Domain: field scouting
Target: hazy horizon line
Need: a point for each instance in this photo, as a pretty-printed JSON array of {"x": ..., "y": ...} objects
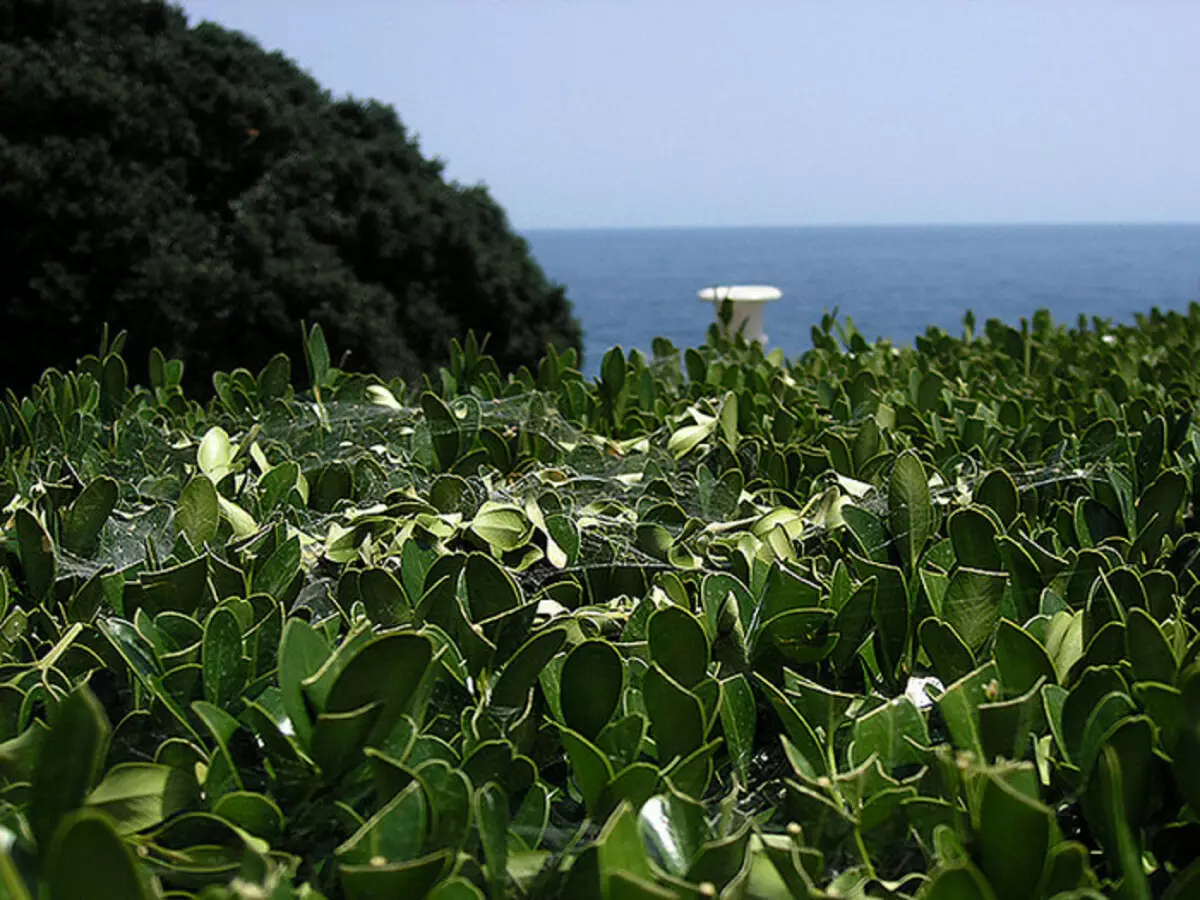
[{"x": 1129, "y": 223}]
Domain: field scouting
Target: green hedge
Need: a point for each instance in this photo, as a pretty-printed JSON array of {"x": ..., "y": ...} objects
[{"x": 873, "y": 622}]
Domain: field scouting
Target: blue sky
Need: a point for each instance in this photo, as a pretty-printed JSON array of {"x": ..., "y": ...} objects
[{"x": 593, "y": 113}]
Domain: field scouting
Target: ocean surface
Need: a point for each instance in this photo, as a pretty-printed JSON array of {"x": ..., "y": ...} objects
[{"x": 629, "y": 286}]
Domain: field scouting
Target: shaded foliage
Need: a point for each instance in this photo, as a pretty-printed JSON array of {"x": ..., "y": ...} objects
[{"x": 185, "y": 184}]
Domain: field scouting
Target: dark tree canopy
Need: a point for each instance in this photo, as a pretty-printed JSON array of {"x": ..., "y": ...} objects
[{"x": 184, "y": 184}]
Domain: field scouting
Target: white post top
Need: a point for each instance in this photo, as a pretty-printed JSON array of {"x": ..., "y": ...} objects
[
  {"x": 748, "y": 302},
  {"x": 749, "y": 293}
]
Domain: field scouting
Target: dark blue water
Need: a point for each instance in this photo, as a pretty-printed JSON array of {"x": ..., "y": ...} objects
[{"x": 631, "y": 285}]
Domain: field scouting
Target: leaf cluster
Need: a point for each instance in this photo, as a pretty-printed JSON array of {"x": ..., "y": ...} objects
[{"x": 873, "y": 622}]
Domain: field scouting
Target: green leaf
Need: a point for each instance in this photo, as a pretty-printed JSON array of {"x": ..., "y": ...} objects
[
  {"x": 590, "y": 687},
  {"x": 225, "y": 668},
  {"x": 818, "y": 704},
  {"x": 974, "y": 537},
  {"x": 589, "y": 766},
  {"x": 70, "y": 755},
  {"x": 1156, "y": 509},
  {"x": 239, "y": 520},
  {"x": 37, "y": 553},
  {"x": 490, "y": 590},
  {"x": 739, "y": 716},
  {"x": 215, "y": 454},
  {"x": 385, "y": 670},
  {"x": 88, "y": 859},
  {"x": 302, "y": 653},
  {"x": 854, "y": 624},
  {"x": 798, "y": 635},
  {"x": 868, "y": 532},
  {"x": 86, "y": 517},
  {"x": 961, "y": 881},
  {"x": 676, "y": 716},
  {"x": 505, "y": 528},
  {"x": 891, "y": 614},
  {"x": 396, "y": 833},
  {"x": 886, "y": 731},
  {"x": 621, "y": 848},
  {"x": 612, "y": 372},
  {"x": 910, "y": 508},
  {"x": 999, "y": 492},
  {"x": 673, "y": 825},
  {"x": 972, "y": 604},
  {"x": 491, "y": 818},
  {"x": 959, "y": 705},
  {"x": 1005, "y": 725},
  {"x": 1148, "y": 648},
  {"x": 137, "y": 796},
  {"x": 798, "y": 731},
  {"x": 251, "y": 812},
  {"x": 687, "y": 438},
  {"x": 1149, "y": 456},
  {"x": 277, "y": 572},
  {"x": 198, "y": 513},
  {"x": 678, "y": 644},
  {"x": 443, "y": 429},
  {"x": 951, "y": 657},
  {"x": 1021, "y": 659},
  {"x": 316, "y": 355},
  {"x": 517, "y": 677},
  {"x": 449, "y": 792},
  {"x": 1109, "y": 814},
  {"x": 382, "y": 881}
]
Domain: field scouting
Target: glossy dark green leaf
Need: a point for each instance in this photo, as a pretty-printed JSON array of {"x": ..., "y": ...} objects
[
  {"x": 974, "y": 537},
  {"x": 253, "y": 813},
  {"x": 958, "y": 882},
  {"x": 960, "y": 702},
  {"x": 521, "y": 671},
  {"x": 277, "y": 572},
  {"x": 673, "y": 826},
  {"x": 88, "y": 859},
  {"x": 590, "y": 687},
  {"x": 910, "y": 508},
  {"x": 1021, "y": 659},
  {"x": 998, "y": 491},
  {"x": 71, "y": 753},
  {"x": 136, "y": 796},
  {"x": 678, "y": 644},
  {"x": 86, "y": 516},
  {"x": 889, "y": 731},
  {"x": 302, "y": 652},
  {"x": 677, "y": 720},
  {"x": 739, "y": 715},
  {"x": 798, "y": 731},
  {"x": 225, "y": 668},
  {"x": 396, "y": 833},
  {"x": 589, "y": 766},
  {"x": 491, "y": 818},
  {"x": 490, "y": 590},
  {"x": 1148, "y": 649},
  {"x": 37, "y": 553},
  {"x": 798, "y": 636},
  {"x": 386, "y": 670},
  {"x": 951, "y": 657},
  {"x": 972, "y": 604},
  {"x": 383, "y": 596}
]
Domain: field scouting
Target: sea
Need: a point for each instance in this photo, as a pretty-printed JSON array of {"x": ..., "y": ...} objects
[{"x": 631, "y": 285}]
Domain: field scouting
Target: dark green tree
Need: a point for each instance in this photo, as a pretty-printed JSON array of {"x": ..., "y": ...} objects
[{"x": 184, "y": 184}]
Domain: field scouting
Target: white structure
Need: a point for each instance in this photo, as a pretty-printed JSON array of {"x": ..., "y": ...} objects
[{"x": 749, "y": 301}]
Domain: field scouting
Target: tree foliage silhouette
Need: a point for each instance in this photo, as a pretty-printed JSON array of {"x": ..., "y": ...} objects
[{"x": 183, "y": 183}]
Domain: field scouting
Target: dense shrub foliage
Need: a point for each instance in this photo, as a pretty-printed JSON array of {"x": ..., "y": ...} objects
[
  {"x": 184, "y": 183},
  {"x": 874, "y": 622}
]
